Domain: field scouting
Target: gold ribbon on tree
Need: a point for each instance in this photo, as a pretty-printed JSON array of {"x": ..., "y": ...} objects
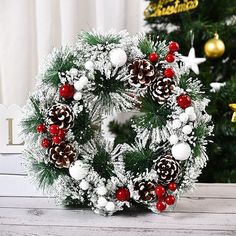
[
  {"x": 168, "y": 7},
  {"x": 233, "y": 107}
]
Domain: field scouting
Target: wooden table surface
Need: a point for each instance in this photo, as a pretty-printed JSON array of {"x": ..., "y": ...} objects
[{"x": 210, "y": 210}]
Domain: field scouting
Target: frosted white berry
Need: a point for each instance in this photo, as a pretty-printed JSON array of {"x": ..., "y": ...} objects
[
  {"x": 189, "y": 110},
  {"x": 183, "y": 117},
  {"x": 187, "y": 129},
  {"x": 110, "y": 206},
  {"x": 173, "y": 139},
  {"x": 192, "y": 117},
  {"x": 102, "y": 202},
  {"x": 89, "y": 65},
  {"x": 77, "y": 96},
  {"x": 84, "y": 185},
  {"x": 176, "y": 124},
  {"x": 181, "y": 151},
  {"x": 102, "y": 190},
  {"x": 74, "y": 71},
  {"x": 118, "y": 57}
]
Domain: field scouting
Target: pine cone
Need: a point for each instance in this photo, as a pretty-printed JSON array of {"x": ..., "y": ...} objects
[
  {"x": 168, "y": 169},
  {"x": 161, "y": 89},
  {"x": 141, "y": 72},
  {"x": 62, "y": 155},
  {"x": 146, "y": 190},
  {"x": 61, "y": 115}
]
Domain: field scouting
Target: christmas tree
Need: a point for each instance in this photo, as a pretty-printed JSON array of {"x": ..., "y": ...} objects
[{"x": 194, "y": 28}]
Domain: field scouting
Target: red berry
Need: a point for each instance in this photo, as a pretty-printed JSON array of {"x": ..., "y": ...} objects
[
  {"x": 173, "y": 46},
  {"x": 170, "y": 58},
  {"x": 54, "y": 129},
  {"x": 153, "y": 57},
  {"x": 41, "y": 128},
  {"x": 62, "y": 133},
  {"x": 56, "y": 139},
  {"x": 161, "y": 206},
  {"x": 67, "y": 91},
  {"x": 160, "y": 191},
  {"x": 122, "y": 194},
  {"x": 169, "y": 73},
  {"x": 184, "y": 101},
  {"x": 170, "y": 200},
  {"x": 45, "y": 143},
  {"x": 172, "y": 186}
]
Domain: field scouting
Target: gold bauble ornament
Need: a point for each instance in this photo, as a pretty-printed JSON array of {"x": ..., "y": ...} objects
[{"x": 214, "y": 47}]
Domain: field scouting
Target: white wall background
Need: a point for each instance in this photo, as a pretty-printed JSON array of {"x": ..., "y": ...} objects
[{"x": 31, "y": 28}]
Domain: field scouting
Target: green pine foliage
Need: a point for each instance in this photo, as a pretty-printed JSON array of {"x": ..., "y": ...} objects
[
  {"x": 46, "y": 174},
  {"x": 29, "y": 125},
  {"x": 102, "y": 163},
  {"x": 63, "y": 62},
  {"x": 210, "y": 17},
  {"x": 95, "y": 39},
  {"x": 146, "y": 46}
]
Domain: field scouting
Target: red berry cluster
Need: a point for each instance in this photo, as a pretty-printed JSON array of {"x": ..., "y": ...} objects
[
  {"x": 163, "y": 197},
  {"x": 170, "y": 57},
  {"x": 57, "y": 134}
]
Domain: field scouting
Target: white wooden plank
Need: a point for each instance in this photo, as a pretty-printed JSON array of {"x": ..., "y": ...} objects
[
  {"x": 12, "y": 185},
  {"x": 11, "y": 164},
  {"x": 23, "y": 230},
  {"x": 143, "y": 220},
  {"x": 202, "y": 205},
  {"x": 214, "y": 190}
]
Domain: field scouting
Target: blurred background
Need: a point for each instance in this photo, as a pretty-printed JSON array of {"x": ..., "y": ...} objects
[{"x": 31, "y": 28}]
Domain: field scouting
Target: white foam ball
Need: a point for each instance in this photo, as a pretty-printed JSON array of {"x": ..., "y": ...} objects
[
  {"x": 110, "y": 206},
  {"x": 78, "y": 170},
  {"x": 83, "y": 80},
  {"x": 173, "y": 139},
  {"x": 74, "y": 71},
  {"x": 77, "y": 96},
  {"x": 187, "y": 129},
  {"x": 84, "y": 185},
  {"x": 181, "y": 151},
  {"x": 102, "y": 190},
  {"x": 176, "y": 124},
  {"x": 89, "y": 65},
  {"x": 102, "y": 202},
  {"x": 118, "y": 57},
  {"x": 189, "y": 110},
  {"x": 183, "y": 117},
  {"x": 78, "y": 85},
  {"x": 192, "y": 117}
]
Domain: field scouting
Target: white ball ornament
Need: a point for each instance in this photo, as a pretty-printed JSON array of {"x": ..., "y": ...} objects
[
  {"x": 118, "y": 57},
  {"x": 176, "y": 124},
  {"x": 183, "y": 117},
  {"x": 110, "y": 206},
  {"x": 102, "y": 202},
  {"x": 78, "y": 170},
  {"x": 189, "y": 110},
  {"x": 84, "y": 185},
  {"x": 89, "y": 65},
  {"x": 173, "y": 139},
  {"x": 181, "y": 151},
  {"x": 192, "y": 117},
  {"x": 187, "y": 129},
  {"x": 102, "y": 190},
  {"x": 77, "y": 96},
  {"x": 81, "y": 83}
]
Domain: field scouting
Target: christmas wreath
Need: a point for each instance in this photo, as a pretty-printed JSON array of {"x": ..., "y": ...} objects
[{"x": 66, "y": 150}]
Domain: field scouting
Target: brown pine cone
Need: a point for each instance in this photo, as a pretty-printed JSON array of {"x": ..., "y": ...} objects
[
  {"x": 62, "y": 155},
  {"x": 146, "y": 190},
  {"x": 168, "y": 169},
  {"x": 61, "y": 115},
  {"x": 142, "y": 72},
  {"x": 161, "y": 89}
]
